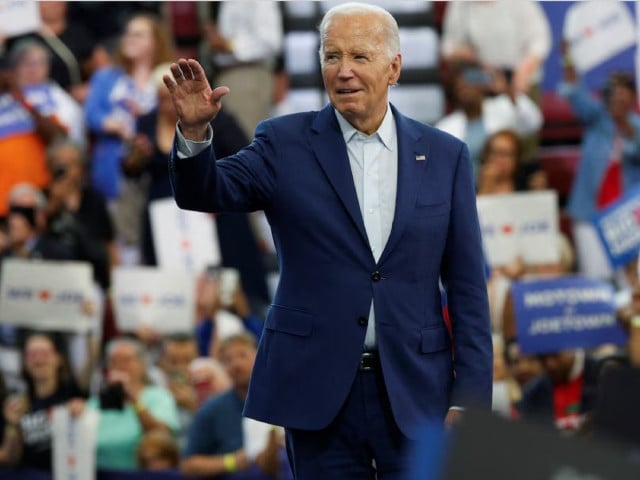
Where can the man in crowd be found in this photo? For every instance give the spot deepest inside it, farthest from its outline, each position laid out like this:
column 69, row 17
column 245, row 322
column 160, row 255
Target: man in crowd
column 218, row 447
column 370, row 211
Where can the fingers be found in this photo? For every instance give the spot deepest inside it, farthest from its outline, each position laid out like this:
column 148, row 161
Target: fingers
column 218, row 93
column 196, row 70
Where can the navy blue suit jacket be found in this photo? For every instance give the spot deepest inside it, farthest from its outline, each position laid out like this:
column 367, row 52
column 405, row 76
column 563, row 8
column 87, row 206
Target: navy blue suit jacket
column 297, row 170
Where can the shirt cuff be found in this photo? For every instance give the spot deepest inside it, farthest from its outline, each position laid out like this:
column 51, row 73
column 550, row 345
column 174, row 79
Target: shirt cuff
column 457, row 409
column 190, row 148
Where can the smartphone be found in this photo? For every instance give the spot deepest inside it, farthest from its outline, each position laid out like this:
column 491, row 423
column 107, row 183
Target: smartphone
column 229, row 282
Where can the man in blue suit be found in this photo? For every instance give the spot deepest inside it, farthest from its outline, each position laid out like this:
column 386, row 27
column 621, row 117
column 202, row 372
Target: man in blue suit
column 370, row 211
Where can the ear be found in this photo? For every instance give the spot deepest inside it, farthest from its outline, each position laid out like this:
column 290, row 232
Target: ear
column 395, row 67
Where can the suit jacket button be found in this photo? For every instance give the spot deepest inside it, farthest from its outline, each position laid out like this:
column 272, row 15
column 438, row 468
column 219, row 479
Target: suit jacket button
column 363, row 321
column 376, row 277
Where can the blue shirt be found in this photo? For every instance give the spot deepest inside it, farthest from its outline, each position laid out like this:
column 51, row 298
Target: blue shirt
column 217, row 426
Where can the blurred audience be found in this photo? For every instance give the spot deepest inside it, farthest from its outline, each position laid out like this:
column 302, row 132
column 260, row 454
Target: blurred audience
column 158, row 451
column 219, row 449
column 31, row 61
column 118, row 95
column 511, row 36
column 484, row 104
column 244, row 40
column 176, row 355
column 27, row 230
column 77, row 213
column 129, row 406
column 48, row 383
column 609, row 163
column 25, row 132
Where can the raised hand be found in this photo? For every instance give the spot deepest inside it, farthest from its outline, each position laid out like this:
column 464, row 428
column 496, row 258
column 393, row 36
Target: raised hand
column 195, row 102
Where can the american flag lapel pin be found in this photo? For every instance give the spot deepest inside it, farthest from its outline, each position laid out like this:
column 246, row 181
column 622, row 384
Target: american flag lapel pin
column 420, row 158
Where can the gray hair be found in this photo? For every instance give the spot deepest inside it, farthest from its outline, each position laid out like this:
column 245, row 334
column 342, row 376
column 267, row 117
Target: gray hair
column 388, row 26
column 64, row 142
column 25, row 188
column 137, row 347
column 22, row 47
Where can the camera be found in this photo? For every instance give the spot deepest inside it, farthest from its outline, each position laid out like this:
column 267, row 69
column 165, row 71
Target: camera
column 112, row 397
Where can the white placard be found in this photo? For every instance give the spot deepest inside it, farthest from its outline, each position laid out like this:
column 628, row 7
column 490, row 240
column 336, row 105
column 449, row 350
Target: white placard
column 183, row 240
column 160, row 299
column 74, row 440
column 46, row 295
column 597, row 30
column 521, row 225
column 256, row 436
column 18, row 17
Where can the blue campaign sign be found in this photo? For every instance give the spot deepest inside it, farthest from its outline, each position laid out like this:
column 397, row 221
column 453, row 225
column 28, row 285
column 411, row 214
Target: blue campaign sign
column 619, row 228
column 564, row 313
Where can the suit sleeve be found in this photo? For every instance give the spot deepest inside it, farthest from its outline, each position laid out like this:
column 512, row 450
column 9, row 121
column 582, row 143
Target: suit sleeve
column 238, row 183
column 463, row 278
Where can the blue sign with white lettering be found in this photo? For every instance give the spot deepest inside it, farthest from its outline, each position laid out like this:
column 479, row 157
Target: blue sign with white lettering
column 565, row 313
column 619, row 228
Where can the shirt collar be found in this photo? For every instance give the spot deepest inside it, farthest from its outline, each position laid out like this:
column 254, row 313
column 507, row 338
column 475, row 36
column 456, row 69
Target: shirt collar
column 385, row 133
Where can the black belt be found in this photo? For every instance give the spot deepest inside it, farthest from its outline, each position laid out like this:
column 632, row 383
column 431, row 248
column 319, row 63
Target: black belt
column 369, row 361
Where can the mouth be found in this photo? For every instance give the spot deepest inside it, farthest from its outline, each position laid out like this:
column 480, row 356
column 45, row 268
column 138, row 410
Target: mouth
column 346, row 91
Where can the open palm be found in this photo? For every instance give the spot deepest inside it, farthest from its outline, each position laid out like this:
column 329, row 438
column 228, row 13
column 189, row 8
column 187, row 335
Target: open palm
column 195, row 102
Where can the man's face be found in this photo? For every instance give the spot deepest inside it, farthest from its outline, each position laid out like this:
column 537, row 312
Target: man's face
column 124, row 358
column 22, row 220
column 238, row 359
column 178, row 355
column 558, row 365
column 621, row 101
column 357, row 71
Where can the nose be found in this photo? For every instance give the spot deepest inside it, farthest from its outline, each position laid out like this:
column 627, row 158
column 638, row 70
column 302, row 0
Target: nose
column 344, row 68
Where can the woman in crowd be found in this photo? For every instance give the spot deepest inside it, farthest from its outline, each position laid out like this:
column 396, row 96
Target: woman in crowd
column 500, row 162
column 129, row 406
column 48, row 384
column 118, row 95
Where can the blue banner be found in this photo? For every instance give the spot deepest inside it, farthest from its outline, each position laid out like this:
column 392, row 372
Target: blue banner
column 619, row 228
column 565, row 313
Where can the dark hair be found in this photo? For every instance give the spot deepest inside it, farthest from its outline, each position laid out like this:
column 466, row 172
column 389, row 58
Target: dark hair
column 618, row 79
column 513, row 136
column 63, row 375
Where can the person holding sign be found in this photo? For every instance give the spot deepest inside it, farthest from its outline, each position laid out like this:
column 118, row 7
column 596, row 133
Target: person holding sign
column 610, row 161
column 369, row 211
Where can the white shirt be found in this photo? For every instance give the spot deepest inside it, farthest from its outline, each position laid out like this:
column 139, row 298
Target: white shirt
column 374, row 166
column 254, row 29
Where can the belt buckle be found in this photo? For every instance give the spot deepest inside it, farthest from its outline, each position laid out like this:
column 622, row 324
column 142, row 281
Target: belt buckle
column 367, row 360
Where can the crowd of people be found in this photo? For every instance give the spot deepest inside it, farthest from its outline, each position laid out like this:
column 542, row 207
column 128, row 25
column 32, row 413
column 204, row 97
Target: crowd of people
column 86, row 129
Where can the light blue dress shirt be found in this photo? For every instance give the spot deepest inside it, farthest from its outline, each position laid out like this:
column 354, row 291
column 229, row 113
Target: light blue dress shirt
column 374, row 166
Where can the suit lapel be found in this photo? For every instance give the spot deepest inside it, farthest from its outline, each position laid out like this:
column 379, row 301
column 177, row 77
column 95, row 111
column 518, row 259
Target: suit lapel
column 413, row 157
column 330, row 150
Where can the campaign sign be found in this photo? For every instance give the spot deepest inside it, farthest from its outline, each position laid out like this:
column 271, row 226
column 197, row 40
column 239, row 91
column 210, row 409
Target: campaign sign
column 619, row 228
column 521, row 225
column 46, row 295
column 565, row 313
column 597, row 31
column 74, row 439
column 183, row 240
column 18, row 17
column 161, row 299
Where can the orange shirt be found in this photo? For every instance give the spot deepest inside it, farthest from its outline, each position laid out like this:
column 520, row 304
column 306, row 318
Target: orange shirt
column 22, row 159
